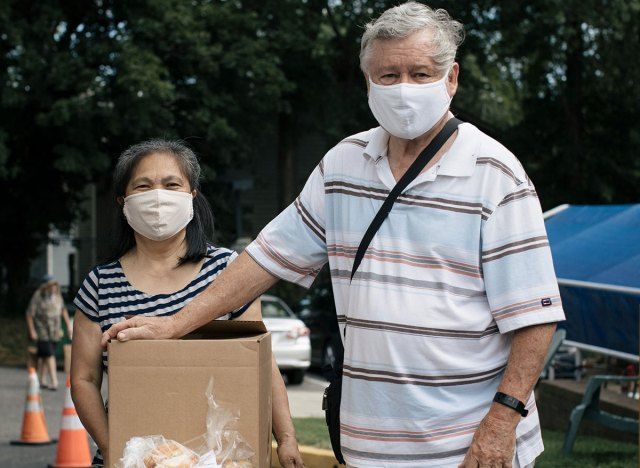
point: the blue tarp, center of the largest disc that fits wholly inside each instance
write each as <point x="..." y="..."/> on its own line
<point x="599" y="244"/>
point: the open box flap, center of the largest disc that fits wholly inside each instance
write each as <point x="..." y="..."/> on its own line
<point x="231" y="328"/>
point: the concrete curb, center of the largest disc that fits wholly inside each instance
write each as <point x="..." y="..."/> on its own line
<point x="313" y="457"/>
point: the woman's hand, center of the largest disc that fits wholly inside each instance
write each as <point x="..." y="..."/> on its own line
<point x="33" y="336"/>
<point x="288" y="453"/>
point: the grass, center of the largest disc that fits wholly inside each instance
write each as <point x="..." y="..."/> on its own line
<point x="13" y="341"/>
<point x="588" y="451"/>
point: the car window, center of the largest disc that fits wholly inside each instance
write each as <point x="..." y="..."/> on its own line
<point x="271" y="309"/>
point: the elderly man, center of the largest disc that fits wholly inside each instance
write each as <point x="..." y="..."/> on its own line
<point x="456" y="299"/>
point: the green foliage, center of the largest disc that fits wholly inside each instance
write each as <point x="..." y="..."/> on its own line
<point x="81" y="81"/>
<point x="556" y="81"/>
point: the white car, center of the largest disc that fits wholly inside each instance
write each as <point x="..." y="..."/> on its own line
<point x="289" y="338"/>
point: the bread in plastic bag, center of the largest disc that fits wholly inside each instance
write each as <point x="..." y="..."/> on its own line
<point x="221" y="446"/>
<point x="157" y="452"/>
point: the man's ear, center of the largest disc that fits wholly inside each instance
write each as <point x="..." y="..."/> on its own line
<point x="366" y="81"/>
<point x="452" y="79"/>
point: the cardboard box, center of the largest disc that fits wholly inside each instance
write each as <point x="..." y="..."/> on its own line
<point x="157" y="387"/>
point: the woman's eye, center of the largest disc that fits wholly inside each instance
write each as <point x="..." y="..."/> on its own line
<point x="142" y="186"/>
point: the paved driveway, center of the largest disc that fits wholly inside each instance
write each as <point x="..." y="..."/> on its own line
<point x="13" y="387"/>
<point x="305" y="401"/>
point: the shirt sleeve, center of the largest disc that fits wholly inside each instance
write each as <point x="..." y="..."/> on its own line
<point x="293" y="246"/>
<point x="520" y="280"/>
<point x="33" y="304"/>
<point x="241" y="310"/>
<point x="87" y="298"/>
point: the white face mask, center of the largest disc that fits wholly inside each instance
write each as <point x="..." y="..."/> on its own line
<point x="408" y="110"/>
<point x="158" y="214"/>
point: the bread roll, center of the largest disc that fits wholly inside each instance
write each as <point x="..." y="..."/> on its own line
<point x="170" y="455"/>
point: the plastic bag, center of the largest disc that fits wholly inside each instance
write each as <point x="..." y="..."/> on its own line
<point x="157" y="452"/>
<point x="221" y="446"/>
<point x="223" y="436"/>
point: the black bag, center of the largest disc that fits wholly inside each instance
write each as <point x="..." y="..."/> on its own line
<point x="333" y="393"/>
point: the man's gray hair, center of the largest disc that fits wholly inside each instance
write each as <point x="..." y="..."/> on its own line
<point x="410" y="17"/>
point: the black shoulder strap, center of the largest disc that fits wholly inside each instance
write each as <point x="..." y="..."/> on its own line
<point x="413" y="171"/>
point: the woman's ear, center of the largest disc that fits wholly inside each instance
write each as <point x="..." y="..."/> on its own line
<point x="194" y="192"/>
<point x="120" y="201"/>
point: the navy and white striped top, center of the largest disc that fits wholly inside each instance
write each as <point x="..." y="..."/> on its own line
<point x="106" y="296"/>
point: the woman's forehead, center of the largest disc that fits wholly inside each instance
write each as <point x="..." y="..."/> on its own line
<point x="157" y="165"/>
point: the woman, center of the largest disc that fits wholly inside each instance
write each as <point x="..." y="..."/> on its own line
<point x="44" y="326"/>
<point x="163" y="261"/>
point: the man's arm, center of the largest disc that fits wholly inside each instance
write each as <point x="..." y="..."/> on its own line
<point x="494" y="442"/>
<point x="240" y="283"/>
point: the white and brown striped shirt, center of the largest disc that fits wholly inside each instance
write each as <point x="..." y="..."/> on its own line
<point x="460" y="263"/>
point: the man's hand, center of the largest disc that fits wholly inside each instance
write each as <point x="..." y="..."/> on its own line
<point x="142" y="328"/>
<point x="289" y="455"/>
<point x="493" y="443"/>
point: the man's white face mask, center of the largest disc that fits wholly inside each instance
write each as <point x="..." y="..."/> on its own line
<point x="408" y="110"/>
<point x="158" y="214"/>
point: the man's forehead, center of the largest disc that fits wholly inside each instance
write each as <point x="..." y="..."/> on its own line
<point x="413" y="50"/>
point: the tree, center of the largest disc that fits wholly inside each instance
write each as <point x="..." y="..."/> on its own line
<point x="556" y="81"/>
<point x="83" y="80"/>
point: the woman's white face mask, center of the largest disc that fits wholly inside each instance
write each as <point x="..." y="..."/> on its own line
<point x="408" y="110"/>
<point x="158" y="214"/>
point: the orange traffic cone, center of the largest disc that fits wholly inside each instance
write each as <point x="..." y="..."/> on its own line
<point x="34" y="426"/>
<point x="73" y="447"/>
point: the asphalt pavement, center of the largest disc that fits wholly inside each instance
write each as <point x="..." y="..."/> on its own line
<point x="305" y="401"/>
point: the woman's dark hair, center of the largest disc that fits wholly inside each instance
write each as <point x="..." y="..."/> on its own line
<point x="199" y="230"/>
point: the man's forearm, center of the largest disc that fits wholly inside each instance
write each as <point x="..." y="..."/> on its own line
<point x="528" y="350"/>
<point x="240" y="283"/>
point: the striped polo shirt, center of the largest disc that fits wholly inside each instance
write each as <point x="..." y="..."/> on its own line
<point x="106" y="295"/>
<point x="461" y="262"/>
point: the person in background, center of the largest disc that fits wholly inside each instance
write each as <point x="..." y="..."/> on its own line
<point x="163" y="261"/>
<point x="44" y="314"/>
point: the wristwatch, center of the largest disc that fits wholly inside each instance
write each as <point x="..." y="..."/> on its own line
<point x="511" y="402"/>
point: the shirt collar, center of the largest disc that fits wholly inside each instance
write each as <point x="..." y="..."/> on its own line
<point x="459" y="161"/>
<point x="376" y="149"/>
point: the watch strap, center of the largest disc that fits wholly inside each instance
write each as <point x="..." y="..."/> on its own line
<point x="511" y="402"/>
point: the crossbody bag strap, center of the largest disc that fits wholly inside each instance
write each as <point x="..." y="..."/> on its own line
<point x="416" y="167"/>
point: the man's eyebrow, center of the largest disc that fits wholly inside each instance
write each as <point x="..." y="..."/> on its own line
<point x="424" y="65"/>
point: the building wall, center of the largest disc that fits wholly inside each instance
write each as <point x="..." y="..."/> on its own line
<point x="263" y="201"/>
